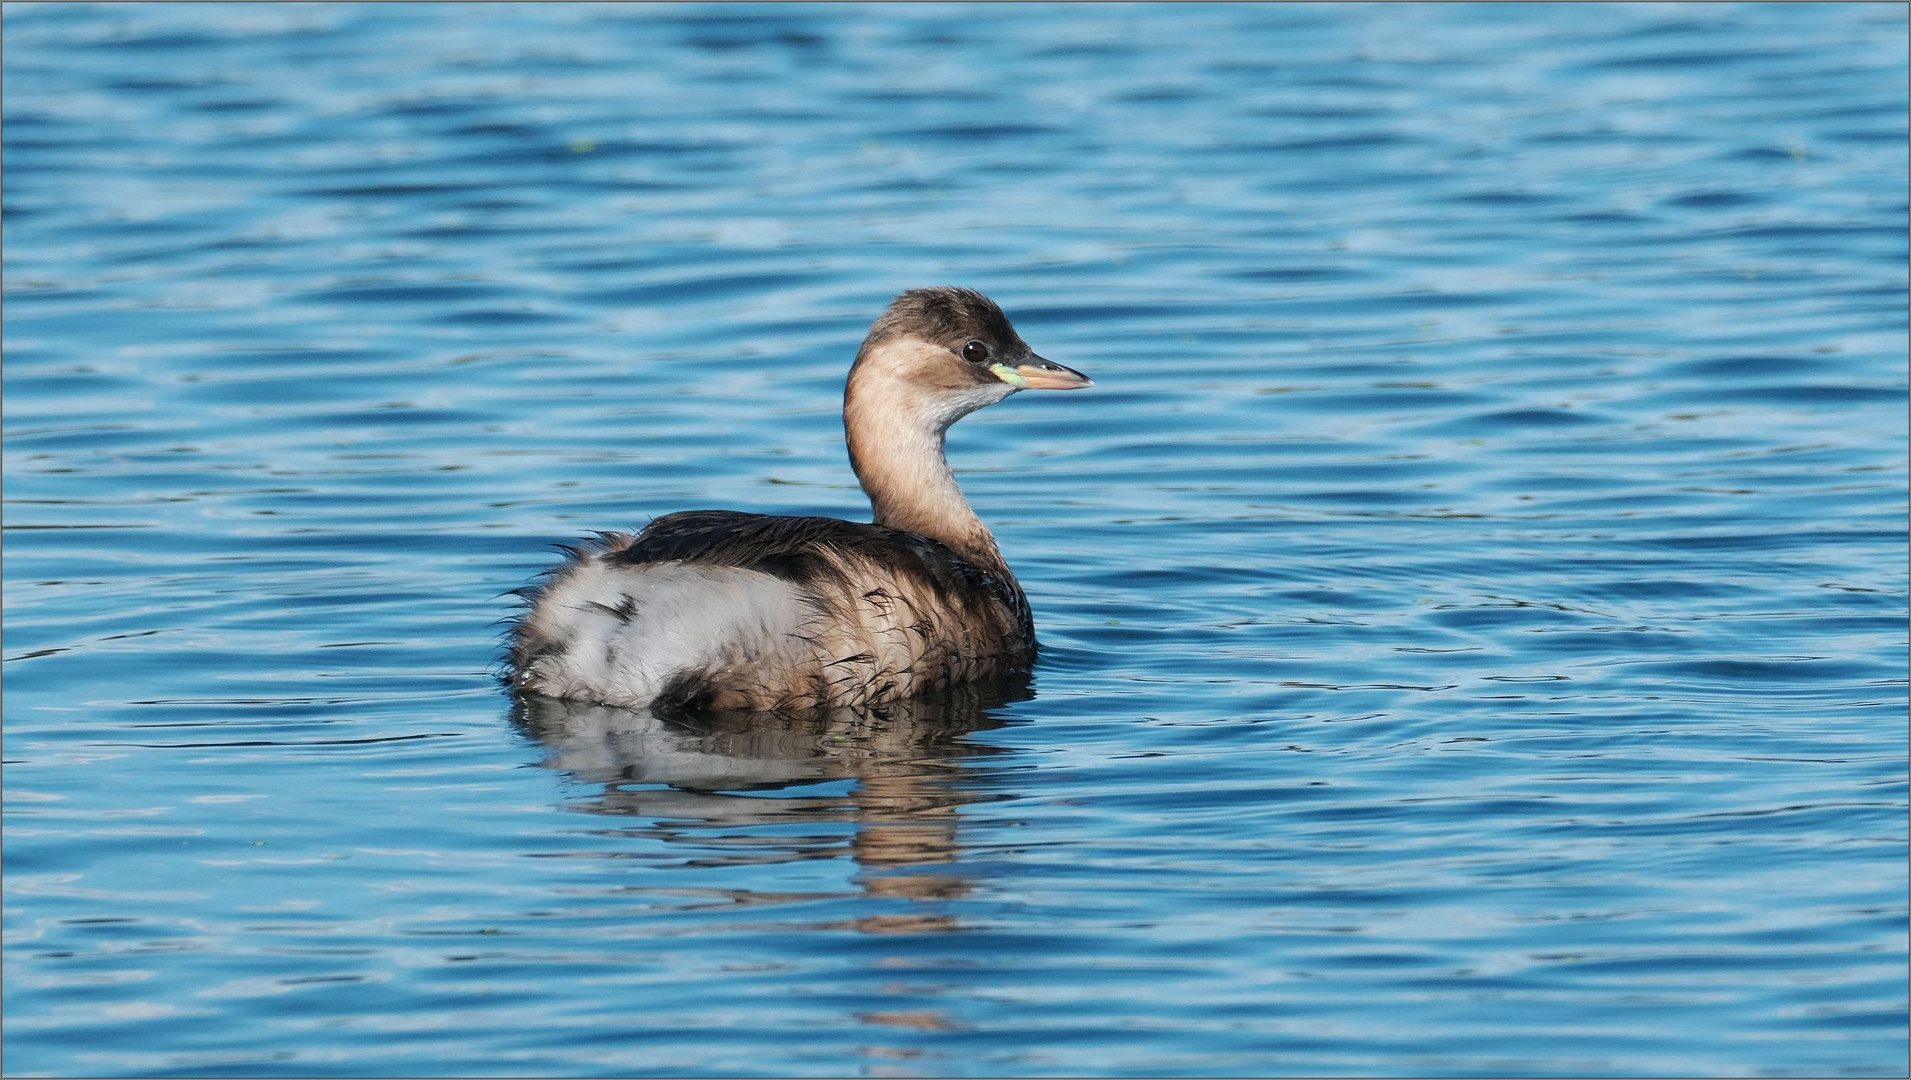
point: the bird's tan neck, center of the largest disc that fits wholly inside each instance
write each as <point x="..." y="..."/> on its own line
<point x="896" y="448"/>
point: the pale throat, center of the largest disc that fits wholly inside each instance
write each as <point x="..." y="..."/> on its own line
<point x="896" y="447"/>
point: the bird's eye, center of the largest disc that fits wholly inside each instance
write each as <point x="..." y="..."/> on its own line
<point x="975" y="352"/>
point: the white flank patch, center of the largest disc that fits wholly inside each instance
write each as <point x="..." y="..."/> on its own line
<point x="684" y="618"/>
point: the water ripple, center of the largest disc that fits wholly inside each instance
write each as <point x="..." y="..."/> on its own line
<point x="1473" y="597"/>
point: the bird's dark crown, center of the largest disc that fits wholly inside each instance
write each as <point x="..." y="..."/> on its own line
<point x="946" y="316"/>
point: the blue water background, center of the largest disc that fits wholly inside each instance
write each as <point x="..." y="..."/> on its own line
<point x="1474" y="595"/>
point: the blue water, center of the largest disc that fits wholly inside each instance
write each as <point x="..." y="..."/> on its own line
<point x="1474" y="595"/>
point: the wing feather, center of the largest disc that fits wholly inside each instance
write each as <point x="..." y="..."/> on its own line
<point x="892" y="613"/>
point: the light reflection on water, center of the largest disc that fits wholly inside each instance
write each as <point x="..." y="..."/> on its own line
<point x="881" y="785"/>
<point x="1473" y="596"/>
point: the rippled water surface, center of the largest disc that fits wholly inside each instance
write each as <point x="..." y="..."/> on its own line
<point x="1474" y="596"/>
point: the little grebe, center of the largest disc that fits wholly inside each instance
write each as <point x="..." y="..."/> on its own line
<point x="714" y="609"/>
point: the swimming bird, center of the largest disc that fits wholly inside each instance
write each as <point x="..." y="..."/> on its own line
<point x="721" y="610"/>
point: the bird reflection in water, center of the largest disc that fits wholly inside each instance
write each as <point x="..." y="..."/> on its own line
<point x="687" y="774"/>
